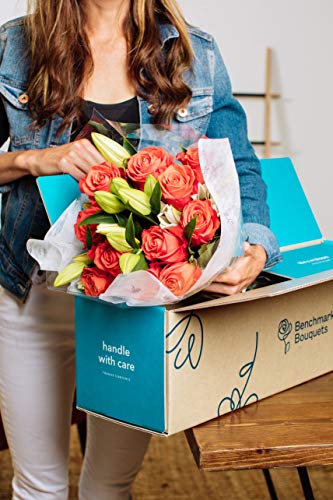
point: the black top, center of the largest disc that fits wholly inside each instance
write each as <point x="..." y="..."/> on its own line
<point x="125" y="112"/>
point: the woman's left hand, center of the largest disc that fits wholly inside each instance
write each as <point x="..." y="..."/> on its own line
<point x="242" y="272"/>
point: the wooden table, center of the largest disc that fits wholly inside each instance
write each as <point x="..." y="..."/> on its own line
<point x="291" y="429"/>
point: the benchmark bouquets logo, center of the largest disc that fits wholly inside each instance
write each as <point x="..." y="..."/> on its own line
<point x="147" y="211"/>
<point x="303" y="331"/>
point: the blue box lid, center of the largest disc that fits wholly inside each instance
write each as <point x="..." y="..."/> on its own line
<point x="292" y="219"/>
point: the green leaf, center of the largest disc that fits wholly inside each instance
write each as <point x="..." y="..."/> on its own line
<point x="88" y="238"/>
<point x="99" y="127"/>
<point x="149" y="185"/>
<point x="130" y="233"/>
<point x="190" y="228"/>
<point x="184" y="150"/>
<point x="155" y="199"/>
<point x="129" y="147"/>
<point x="121" y="219"/>
<point x="142" y="265"/>
<point x="206" y="252"/>
<point x="98" y="218"/>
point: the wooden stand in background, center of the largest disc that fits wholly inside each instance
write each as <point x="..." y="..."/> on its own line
<point x="268" y="96"/>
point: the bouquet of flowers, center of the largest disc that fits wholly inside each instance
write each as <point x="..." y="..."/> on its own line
<point x="152" y="226"/>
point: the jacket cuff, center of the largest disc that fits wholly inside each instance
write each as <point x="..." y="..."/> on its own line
<point x="257" y="234"/>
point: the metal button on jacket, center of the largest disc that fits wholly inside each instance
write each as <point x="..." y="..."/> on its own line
<point x="182" y="112"/>
<point x="23" y="98"/>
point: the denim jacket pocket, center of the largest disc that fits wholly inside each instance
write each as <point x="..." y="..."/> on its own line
<point x="197" y="113"/>
<point x="15" y="100"/>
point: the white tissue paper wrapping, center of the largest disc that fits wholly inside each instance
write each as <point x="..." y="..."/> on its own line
<point x="141" y="288"/>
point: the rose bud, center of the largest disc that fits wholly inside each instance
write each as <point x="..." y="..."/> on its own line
<point x="164" y="245"/>
<point x="149" y="161"/>
<point x="111" y="150"/>
<point x="109" y="202"/>
<point x="191" y="158"/>
<point x="207" y="221"/>
<point x="99" y="178"/>
<point x="177" y="184"/>
<point x="107" y="259"/>
<point x="180" y="277"/>
<point x="95" y="281"/>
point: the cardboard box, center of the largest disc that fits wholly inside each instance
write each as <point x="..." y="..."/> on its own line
<point x="167" y="369"/>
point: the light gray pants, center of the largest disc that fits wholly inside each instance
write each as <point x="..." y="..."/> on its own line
<point x="37" y="381"/>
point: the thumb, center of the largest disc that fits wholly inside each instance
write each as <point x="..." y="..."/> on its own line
<point x="247" y="247"/>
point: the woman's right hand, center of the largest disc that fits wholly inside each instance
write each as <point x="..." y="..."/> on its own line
<point x="75" y="159"/>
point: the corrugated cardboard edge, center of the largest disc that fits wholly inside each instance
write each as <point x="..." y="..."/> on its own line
<point x="124" y="424"/>
<point x="261" y="293"/>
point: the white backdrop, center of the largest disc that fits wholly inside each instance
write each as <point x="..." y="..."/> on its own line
<point x="300" y="32"/>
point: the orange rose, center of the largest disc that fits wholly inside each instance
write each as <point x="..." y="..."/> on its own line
<point x="177" y="183"/>
<point x="180" y="277"/>
<point x="155" y="269"/>
<point x="164" y="245"/>
<point x="99" y="178"/>
<point x="95" y="281"/>
<point x="207" y="220"/>
<point x="80" y="231"/>
<point x="148" y="161"/>
<point x="107" y="259"/>
<point x="191" y="157"/>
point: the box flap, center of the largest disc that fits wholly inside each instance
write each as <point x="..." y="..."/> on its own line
<point x="260" y="293"/>
<point x="57" y="192"/>
<point x="292" y="219"/>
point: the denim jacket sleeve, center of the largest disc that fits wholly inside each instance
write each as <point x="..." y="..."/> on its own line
<point x="4" y="126"/>
<point x="228" y="120"/>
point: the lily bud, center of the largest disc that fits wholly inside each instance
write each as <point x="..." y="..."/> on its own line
<point x="69" y="273"/>
<point x="83" y="258"/>
<point x="111" y="150"/>
<point x="149" y="185"/>
<point x="109" y="202"/>
<point x="116" y="238"/>
<point x="138" y="200"/>
<point x="118" y="183"/>
<point x="128" y="262"/>
<point x="105" y="228"/>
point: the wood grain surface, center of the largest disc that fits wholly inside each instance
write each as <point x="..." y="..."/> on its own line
<point x="291" y="429"/>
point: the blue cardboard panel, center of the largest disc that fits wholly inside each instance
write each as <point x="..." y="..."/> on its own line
<point x="292" y="219"/>
<point x="57" y="192"/>
<point x="306" y="261"/>
<point x="120" y="362"/>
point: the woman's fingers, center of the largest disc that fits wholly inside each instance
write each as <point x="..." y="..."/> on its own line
<point x="91" y="152"/>
<point x="242" y="272"/>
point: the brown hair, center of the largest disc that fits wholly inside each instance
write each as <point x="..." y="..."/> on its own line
<point x="61" y="59"/>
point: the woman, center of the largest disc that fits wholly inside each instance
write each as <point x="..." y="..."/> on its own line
<point x="135" y="60"/>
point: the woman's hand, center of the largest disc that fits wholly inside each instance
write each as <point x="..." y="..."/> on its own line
<point x="75" y="159"/>
<point x="242" y="272"/>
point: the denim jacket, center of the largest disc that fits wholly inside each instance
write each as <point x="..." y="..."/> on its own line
<point x="212" y="110"/>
